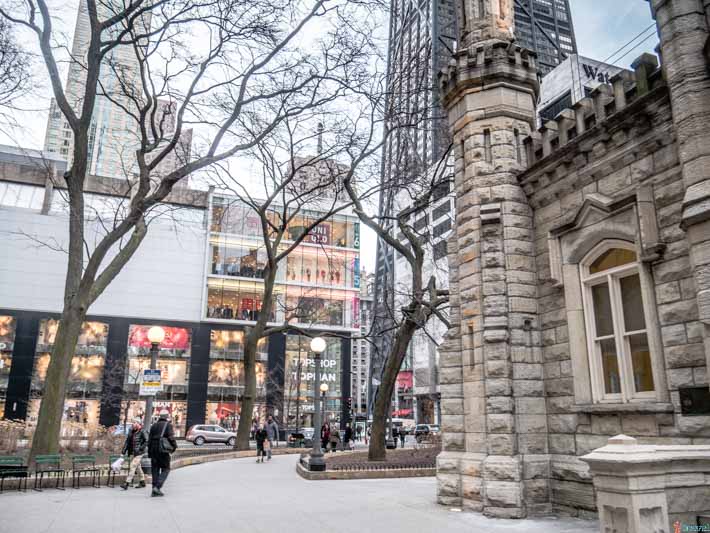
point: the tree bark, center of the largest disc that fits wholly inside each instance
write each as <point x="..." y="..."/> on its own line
<point x="49" y="422"/>
<point x="405" y="332"/>
<point x="251" y="342"/>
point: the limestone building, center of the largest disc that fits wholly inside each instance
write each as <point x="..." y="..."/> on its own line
<point x="579" y="267"/>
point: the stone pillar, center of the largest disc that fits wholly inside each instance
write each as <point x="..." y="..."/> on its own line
<point x="683" y="28"/>
<point x="649" y="488"/>
<point x="494" y="424"/>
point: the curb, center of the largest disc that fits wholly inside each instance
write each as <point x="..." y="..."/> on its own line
<point x="364" y="474"/>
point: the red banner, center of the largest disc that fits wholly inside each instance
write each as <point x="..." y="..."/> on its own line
<point x="175" y="338"/>
<point x="405" y="379"/>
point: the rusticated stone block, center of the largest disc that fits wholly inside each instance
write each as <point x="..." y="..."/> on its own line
<point x="685" y="356"/>
<point x="503" y="494"/>
<point x="633" y="425"/>
<point x="606" y="424"/>
<point x="500" y="423"/>
<point x="501" y="444"/>
<point x="562" y="444"/>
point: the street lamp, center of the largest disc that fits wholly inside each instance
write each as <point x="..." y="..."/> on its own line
<point x="156" y="335"/>
<point x="323" y="392"/>
<point x="316" y="462"/>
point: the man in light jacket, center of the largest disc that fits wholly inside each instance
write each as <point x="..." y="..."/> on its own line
<point x="272" y="434"/>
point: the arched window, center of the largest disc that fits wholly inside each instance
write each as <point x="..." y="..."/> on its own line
<point x="620" y="357"/>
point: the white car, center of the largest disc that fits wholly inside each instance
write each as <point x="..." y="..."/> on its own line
<point x="202" y="433"/>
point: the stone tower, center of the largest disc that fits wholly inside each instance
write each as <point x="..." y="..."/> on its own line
<point x="494" y="456"/>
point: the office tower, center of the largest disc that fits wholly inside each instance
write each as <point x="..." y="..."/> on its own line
<point x="421" y="40"/>
<point x="545" y="26"/>
<point x="113" y="136"/>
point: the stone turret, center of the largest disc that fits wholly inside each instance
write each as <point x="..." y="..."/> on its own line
<point x="493" y="410"/>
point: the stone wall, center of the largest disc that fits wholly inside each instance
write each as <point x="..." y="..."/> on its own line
<point x="613" y="172"/>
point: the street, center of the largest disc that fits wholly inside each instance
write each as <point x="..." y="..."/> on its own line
<point x="242" y="496"/>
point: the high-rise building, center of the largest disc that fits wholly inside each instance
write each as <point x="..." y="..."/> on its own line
<point x="545" y="27"/>
<point x="112" y="134"/>
<point x="360" y="359"/>
<point x="421" y="41"/>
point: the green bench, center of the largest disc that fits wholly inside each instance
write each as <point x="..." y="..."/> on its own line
<point x="13" y="468"/>
<point x="111" y="478"/>
<point x="49" y="465"/>
<point x="84" y="464"/>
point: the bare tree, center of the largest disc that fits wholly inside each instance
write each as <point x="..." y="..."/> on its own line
<point x="235" y="70"/>
<point x="14" y="71"/>
<point x="303" y="190"/>
<point x="423" y="298"/>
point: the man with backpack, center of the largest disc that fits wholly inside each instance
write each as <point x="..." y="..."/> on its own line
<point x="134" y="447"/>
<point x="161" y="444"/>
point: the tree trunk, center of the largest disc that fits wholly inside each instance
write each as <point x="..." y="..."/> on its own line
<point x="403" y="337"/>
<point x="251" y="340"/>
<point x="249" y="397"/>
<point x="51" y="411"/>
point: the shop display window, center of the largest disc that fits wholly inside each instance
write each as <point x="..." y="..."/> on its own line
<point x="177" y="411"/>
<point x="240" y="260"/>
<point x="299" y="378"/>
<point x="317" y="306"/>
<point x="82" y="403"/>
<point x="173" y="358"/>
<point x="321" y="266"/>
<point x="7" y="339"/>
<point x="87" y="365"/>
<point x="237" y="300"/>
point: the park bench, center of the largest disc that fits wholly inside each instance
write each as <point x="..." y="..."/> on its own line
<point x="111" y="477"/>
<point x="49" y="465"/>
<point x="13" y="468"/>
<point x="84" y="464"/>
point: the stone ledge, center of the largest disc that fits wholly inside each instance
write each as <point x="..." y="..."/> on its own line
<point x="623" y="408"/>
<point x="364" y="474"/>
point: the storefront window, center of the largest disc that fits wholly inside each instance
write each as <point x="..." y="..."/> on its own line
<point x="81" y="408"/>
<point x="316" y="306"/>
<point x="237" y="300"/>
<point x="226" y="377"/>
<point x="231" y="259"/>
<point x="299" y="379"/>
<point x="7" y="339"/>
<point x="174" y="364"/>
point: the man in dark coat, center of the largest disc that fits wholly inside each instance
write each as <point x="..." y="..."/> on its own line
<point x="134" y="447"/>
<point x="159" y="460"/>
<point x="347" y="436"/>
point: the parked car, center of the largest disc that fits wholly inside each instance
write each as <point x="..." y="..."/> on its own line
<point x="424" y="430"/>
<point x="200" y="434"/>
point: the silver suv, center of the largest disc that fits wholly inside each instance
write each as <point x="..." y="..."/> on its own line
<point x="200" y="434"/>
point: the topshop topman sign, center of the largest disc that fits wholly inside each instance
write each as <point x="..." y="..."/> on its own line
<point x="327" y="366"/>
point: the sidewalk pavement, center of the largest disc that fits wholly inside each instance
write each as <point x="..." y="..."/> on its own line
<point x="241" y="496"/>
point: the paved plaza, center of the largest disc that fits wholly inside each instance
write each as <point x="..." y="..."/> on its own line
<point x="242" y="496"/>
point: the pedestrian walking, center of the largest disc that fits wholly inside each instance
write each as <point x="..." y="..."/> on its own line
<point x="325" y="436"/>
<point x="134" y="448"/>
<point x="161" y="443"/>
<point x="334" y="438"/>
<point x="402" y="436"/>
<point x="261" y="437"/>
<point x="272" y="434"/>
<point x="358" y="432"/>
<point x="347" y="436"/>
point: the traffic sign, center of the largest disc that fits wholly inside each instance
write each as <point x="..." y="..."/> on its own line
<point x="151" y="383"/>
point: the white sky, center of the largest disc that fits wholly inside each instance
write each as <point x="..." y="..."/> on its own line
<point x="602" y="27"/>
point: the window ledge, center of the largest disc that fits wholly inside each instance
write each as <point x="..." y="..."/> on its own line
<point x="614" y="408"/>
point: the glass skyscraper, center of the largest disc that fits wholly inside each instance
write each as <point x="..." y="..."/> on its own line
<point x="545" y="26"/>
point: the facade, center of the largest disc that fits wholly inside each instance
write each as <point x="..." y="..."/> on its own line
<point x="422" y="39"/>
<point x="194" y="277"/>
<point x="112" y="135"/>
<point x="578" y="266"/>
<point x="571" y="81"/>
<point x="360" y="359"/>
<point x="546" y="28"/>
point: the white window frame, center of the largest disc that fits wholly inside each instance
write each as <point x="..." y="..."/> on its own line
<point x="612" y="277"/>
